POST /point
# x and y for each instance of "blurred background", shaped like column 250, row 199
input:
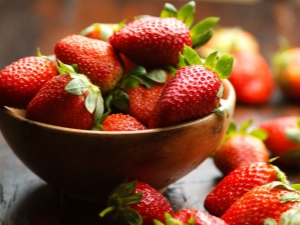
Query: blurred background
column 26, row 25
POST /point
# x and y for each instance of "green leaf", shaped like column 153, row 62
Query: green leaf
column 132, row 217
column 293, row 134
column 91, row 101
column 64, row 68
column 260, row 134
column 296, row 187
column 191, row 56
column 130, row 82
column 290, row 217
column 137, row 71
column 270, row 221
column 187, row 13
column 210, row 61
column 121, row 100
column 224, row 66
column 232, row 129
column 172, row 70
column 76, row 86
column 99, row 109
column 146, row 82
column 126, row 188
column 181, row 61
column 131, row 199
column 279, row 173
column 202, row 27
column 291, row 196
column 245, row 126
column 202, row 39
column 168, row 11
column 157, row 75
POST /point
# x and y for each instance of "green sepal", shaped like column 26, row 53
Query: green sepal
column 189, row 57
column 168, row 11
column 133, row 77
column 122, row 196
column 201, row 31
column 293, row 134
column 292, row 196
column 211, row 60
column 224, row 66
column 187, row 13
column 120, row 99
column 260, row 134
column 157, row 75
column 171, row 69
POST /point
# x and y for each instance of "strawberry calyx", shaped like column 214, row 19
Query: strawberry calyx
column 290, row 217
column 102, row 31
column 138, row 75
column 81, row 85
column 243, row 130
column 172, row 221
column 200, row 32
column 118, row 202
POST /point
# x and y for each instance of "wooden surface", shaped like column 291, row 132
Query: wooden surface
column 26, row 25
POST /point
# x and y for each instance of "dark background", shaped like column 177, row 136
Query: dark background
column 26, row 25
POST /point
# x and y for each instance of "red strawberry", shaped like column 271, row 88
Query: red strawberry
column 251, row 78
column 238, row 182
column 95, row 58
column 268, row 201
column 283, row 138
column 67, row 100
column 286, row 69
column 136, row 203
column 143, row 99
column 240, row 148
column 121, row 122
column 193, row 92
column 154, row 42
column 21, row 80
column 101, row 31
column 191, row 217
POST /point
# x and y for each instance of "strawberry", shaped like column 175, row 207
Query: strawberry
column 230, row 39
column 121, row 122
column 95, row 58
column 155, row 42
column 283, row 139
column 136, row 203
column 286, row 69
column 21, row 80
column 240, row 148
column 267, row 201
column 143, row 98
column 191, row 217
column 101, row 31
column 194, row 91
column 67, row 100
column 253, row 81
column 238, row 182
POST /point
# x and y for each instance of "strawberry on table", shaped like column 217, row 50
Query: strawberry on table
column 136, row 203
column 191, row 217
column 67, row 100
column 286, row 70
column 121, row 122
column 155, row 42
column 260, row 203
column 21, row 80
column 284, row 139
column 240, row 147
column 96, row 59
column 194, row 91
column 238, row 182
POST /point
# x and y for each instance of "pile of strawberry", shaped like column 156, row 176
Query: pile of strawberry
column 116, row 77
column 256, row 194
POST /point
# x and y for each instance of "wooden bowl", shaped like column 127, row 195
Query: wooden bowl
column 88, row 164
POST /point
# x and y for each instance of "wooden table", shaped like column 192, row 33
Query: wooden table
column 26, row 25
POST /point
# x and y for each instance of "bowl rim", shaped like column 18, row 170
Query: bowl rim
column 9, row 110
